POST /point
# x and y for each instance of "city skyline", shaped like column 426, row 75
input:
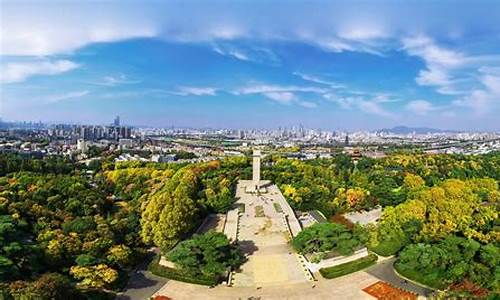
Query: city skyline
column 259, row 65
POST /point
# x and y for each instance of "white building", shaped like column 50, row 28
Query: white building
column 81, row 145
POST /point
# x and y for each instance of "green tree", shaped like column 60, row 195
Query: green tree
column 210, row 254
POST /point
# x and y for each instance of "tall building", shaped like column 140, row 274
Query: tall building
column 117, row 121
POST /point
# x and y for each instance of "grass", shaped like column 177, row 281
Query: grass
column 350, row 267
column 433, row 280
column 259, row 211
column 179, row 275
column 277, row 207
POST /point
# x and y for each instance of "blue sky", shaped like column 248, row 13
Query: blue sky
column 253, row 64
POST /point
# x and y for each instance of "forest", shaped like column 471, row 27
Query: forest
column 67, row 230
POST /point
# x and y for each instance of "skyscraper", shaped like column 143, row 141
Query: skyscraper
column 117, row 121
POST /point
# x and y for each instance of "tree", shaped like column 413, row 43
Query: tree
column 97, row 276
column 210, row 254
column 412, row 182
column 323, row 237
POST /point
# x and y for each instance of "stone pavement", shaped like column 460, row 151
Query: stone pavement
column 265, row 241
column 345, row 288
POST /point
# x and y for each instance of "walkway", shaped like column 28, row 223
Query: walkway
column 384, row 270
column 264, row 237
column 142, row 283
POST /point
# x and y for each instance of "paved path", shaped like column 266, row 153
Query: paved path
column 142, row 283
column 346, row 288
column 264, row 239
column 384, row 270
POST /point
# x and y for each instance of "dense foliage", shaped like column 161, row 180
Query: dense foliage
column 177, row 206
column 450, row 260
column 209, row 255
column 338, row 185
column 325, row 237
column 67, row 231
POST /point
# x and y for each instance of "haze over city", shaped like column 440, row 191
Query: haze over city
column 252, row 64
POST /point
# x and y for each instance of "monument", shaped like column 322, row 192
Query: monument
column 256, row 169
column 256, row 184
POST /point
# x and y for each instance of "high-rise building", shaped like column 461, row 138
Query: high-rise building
column 117, row 121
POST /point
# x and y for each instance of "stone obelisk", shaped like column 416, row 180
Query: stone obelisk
column 256, row 170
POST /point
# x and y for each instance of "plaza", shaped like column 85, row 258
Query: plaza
column 264, row 238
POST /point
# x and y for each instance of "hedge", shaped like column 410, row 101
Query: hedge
column 179, row 275
column 349, row 267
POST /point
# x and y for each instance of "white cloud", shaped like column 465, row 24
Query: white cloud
column 372, row 105
column 238, row 54
column 36, row 29
column 195, row 91
column 65, row 96
column 316, row 79
column 361, row 32
column 374, row 108
column 115, row 81
column 481, row 100
column 344, row 102
column 420, row 107
column 439, row 62
column 20, row 71
column 263, row 88
column 246, row 52
column 281, row 97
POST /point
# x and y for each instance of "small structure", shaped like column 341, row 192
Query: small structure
column 365, row 217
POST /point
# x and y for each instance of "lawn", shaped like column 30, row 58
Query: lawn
column 350, row 267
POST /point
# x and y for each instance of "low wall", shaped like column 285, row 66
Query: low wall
column 231, row 224
column 334, row 261
column 292, row 220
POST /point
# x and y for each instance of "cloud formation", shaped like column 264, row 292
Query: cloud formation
column 195, row 91
column 20, row 71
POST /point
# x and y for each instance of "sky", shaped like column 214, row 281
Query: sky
column 252, row 64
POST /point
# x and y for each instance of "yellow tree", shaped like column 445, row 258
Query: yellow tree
column 97, row 276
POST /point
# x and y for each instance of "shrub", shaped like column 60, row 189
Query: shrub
column 209, row 254
column 350, row 267
column 323, row 237
column 179, row 275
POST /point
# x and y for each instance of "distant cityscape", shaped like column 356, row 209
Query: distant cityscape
column 165, row 144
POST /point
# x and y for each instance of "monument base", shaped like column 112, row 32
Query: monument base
column 251, row 189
